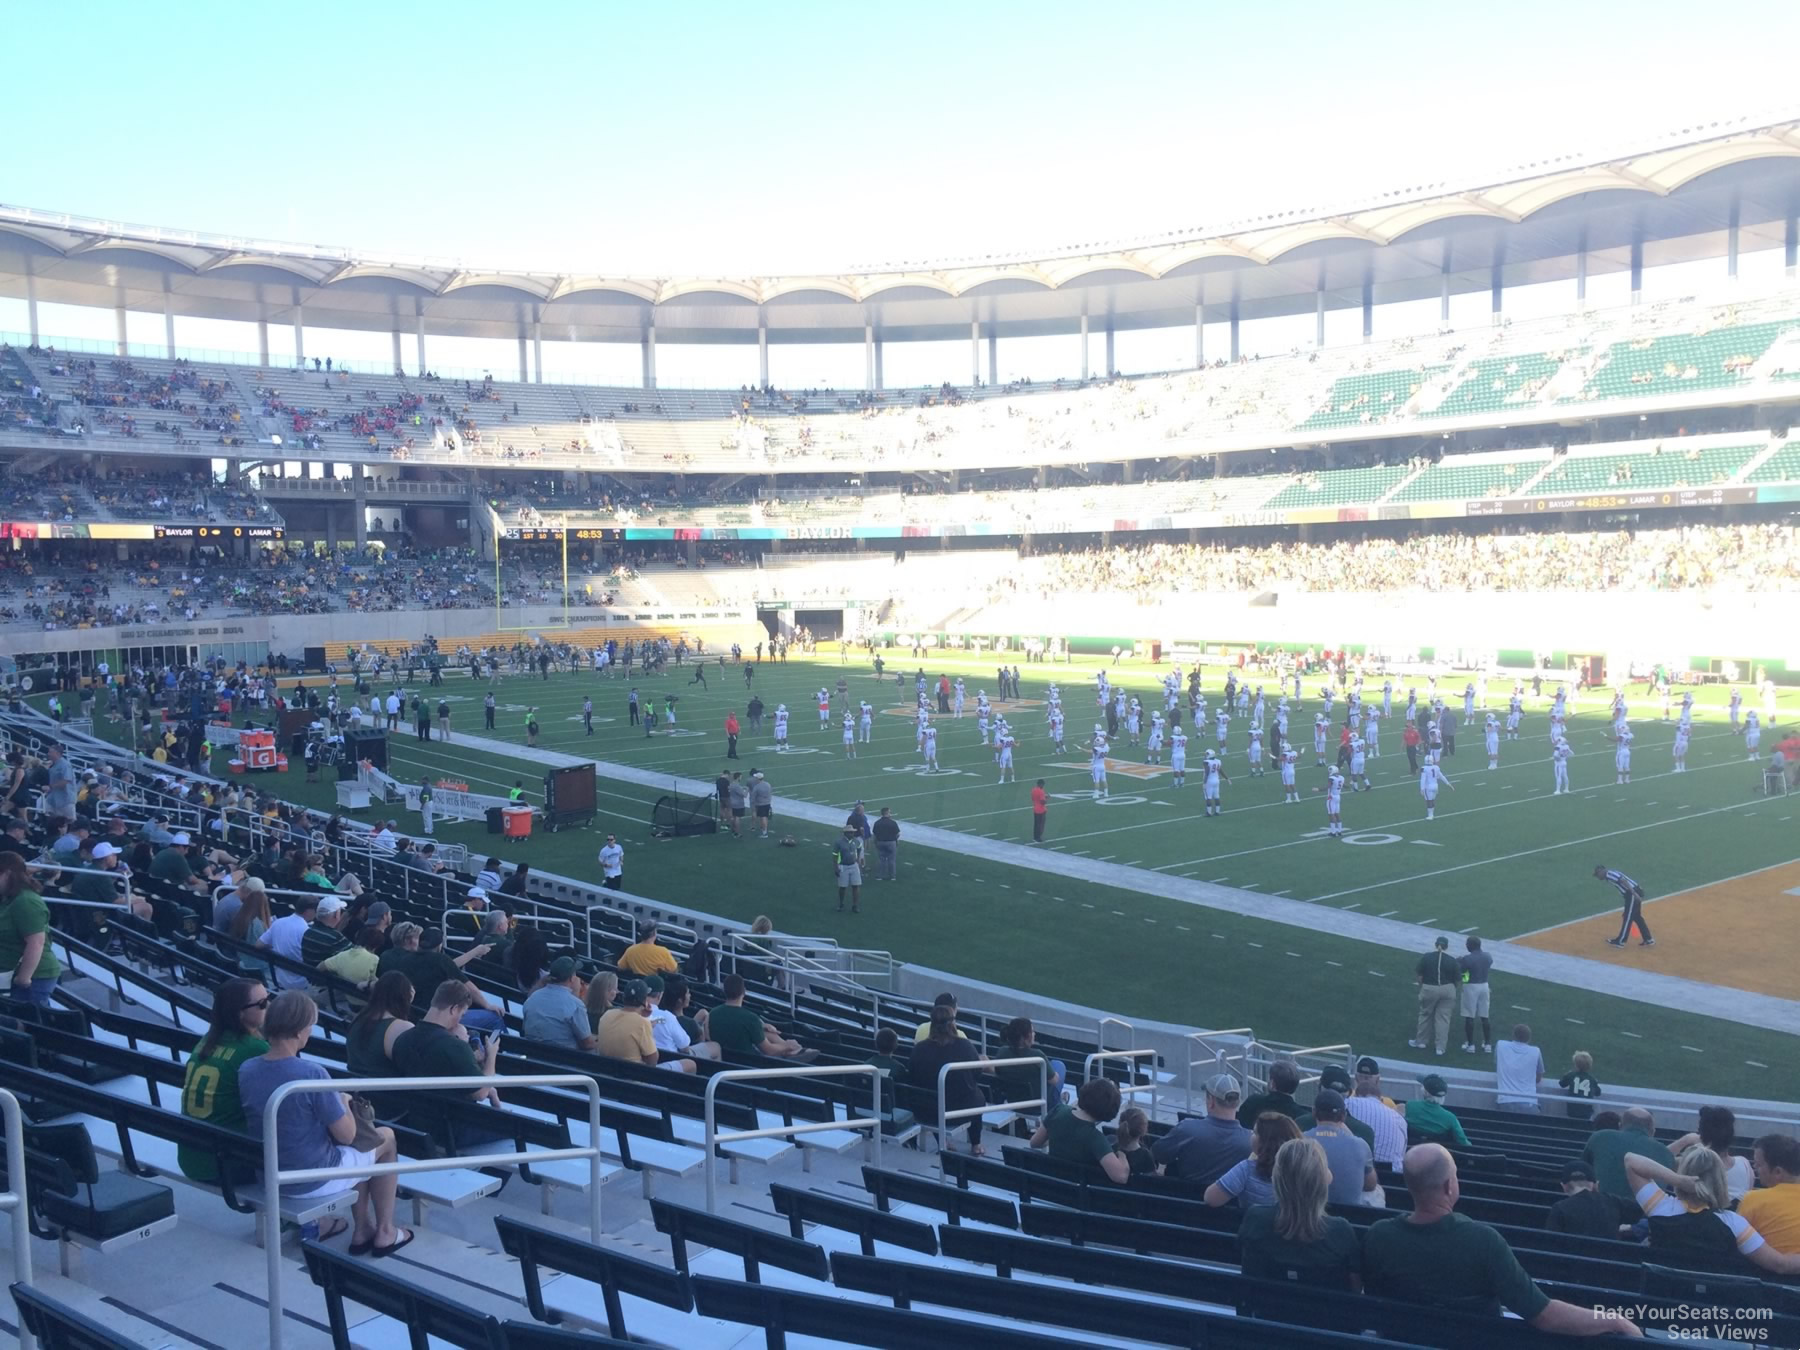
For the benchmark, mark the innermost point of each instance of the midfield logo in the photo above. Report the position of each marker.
(1123, 767)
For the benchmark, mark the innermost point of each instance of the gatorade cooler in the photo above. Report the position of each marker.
(516, 822)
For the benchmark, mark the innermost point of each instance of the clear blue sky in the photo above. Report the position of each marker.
(727, 139)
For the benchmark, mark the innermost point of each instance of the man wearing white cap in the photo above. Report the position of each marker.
(321, 941)
(171, 863)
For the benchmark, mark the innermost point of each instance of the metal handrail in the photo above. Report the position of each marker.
(945, 1117)
(480, 915)
(14, 1199)
(1100, 1033)
(1217, 1055)
(871, 1123)
(1129, 1089)
(274, 1177)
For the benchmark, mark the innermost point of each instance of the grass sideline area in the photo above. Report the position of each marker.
(1502, 858)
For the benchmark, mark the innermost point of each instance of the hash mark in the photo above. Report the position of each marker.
(1379, 974)
(1182, 928)
(1256, 945)
(1280, 892)
(1388, 912)
(1339, 964)
(1634, 1035)
(1696, 1049)
(1293, 953)
(1755, 1065)
(1119, 912)
(1520, 1007)
(1216, 880)
(1086, 905)
(1470, 929)
(1576, 1021)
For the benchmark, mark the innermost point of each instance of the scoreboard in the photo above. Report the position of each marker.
(554, 535)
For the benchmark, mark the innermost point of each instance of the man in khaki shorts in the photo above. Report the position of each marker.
(847, 858)
(1475, 966)
(1438, 976)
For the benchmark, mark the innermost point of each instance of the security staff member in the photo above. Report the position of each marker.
(1633, 912)
(517, 795)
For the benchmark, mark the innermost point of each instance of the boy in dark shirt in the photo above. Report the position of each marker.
(1585, 1209)
(1580, 1083)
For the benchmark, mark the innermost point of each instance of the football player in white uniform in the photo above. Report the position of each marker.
(1560, 755)
(1134, 720)
(1431, 775)
(928, 747)
(1319, 733)
(1214, 772)
(849, 735)
(1372, 732)
(1097, 764)
(1515, 713)
(1334, 802)
(981, 716)
(781, 727)
(921, 720)
(1056, 729)
(1289, 758)
(868, 722)
(824, 697)
(956, 697)
(1768, 697)
(1736, 703)
(1622, 756)
(1155, 742)
(1178, 756)
(1468, 716)
(1222, 726)
(1681, 747)
(1687, 710)
(1434, 742)
(1006, 757)
(1752, 732)
(1387, 698)
(1256, 750)
(1359, 766)
(1491, 738)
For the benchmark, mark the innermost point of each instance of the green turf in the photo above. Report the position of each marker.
(1502, 858)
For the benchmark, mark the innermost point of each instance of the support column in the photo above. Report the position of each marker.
(119, 325)
(397, 362)
(421, 343)
(359, 506)
(868, 356)
(1128, 472)
(262, 340)
(1368, 309)
(524, 372)
(299, 335)
(762, 355)
(878, 375)
(1319, 318)
(169, 324)
(1112, 363)
(1790, 256)
(31, 322)
(1199, 336)
(1494, 294)
(537, 351)
(994, 357)
(1236, 331)
(1084, 348)
(1444, 292)
(1637, 269)
(1731, 242)
(1581, 268)
(331, 529)
(649, 346)
(974, 351)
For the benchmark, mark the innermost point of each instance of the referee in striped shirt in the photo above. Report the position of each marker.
(1633, 913)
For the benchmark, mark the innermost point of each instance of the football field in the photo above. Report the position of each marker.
(1503, 859)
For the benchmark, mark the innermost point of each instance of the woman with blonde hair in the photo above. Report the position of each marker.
(601, 992)
(1698, 1217)
(1294, 1238)
(251, 922)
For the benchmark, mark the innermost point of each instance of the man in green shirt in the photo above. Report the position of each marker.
(1437, 1257)
(1606, 1150)
(742, 1029)
(321, 941)
(209, 1089)
(438, 1047)
(171, 862)
(1427, 1119)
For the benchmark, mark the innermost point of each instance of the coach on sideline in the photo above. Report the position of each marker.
(1438, 974)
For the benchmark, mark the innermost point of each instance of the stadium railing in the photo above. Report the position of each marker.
(13, 1198)
(946, 1118)
(872, 1122)
(274, 1177)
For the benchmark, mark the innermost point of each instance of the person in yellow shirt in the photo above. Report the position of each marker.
(1773, 1208)
(647, 957)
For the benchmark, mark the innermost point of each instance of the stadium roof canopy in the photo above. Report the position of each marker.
(1693, 196)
